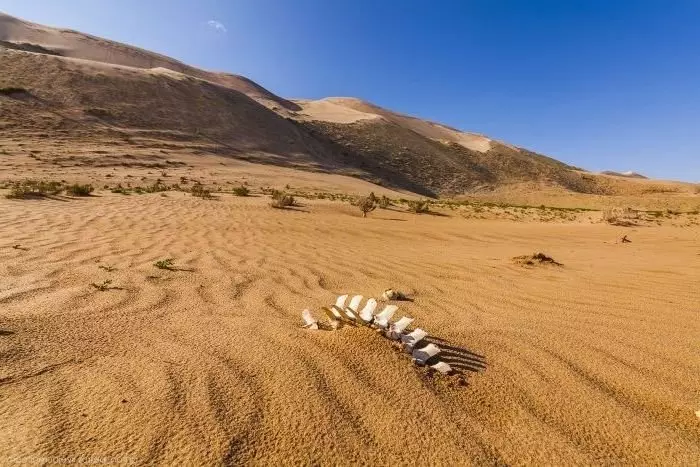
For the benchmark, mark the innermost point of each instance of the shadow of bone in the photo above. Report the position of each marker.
(459, 358)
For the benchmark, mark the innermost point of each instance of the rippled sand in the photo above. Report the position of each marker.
(593, 362)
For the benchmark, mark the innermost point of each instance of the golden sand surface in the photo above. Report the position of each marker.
(592, 362)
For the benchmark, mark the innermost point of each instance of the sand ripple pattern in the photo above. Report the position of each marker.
(595, 362)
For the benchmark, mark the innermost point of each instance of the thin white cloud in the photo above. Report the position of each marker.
(217, 25)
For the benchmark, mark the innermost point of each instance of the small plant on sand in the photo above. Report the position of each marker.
(419, 206)
(241, 191)
(167, 263)
(200, 191)
(79, 190)
(157, 187)
(366, 204)
(536, 259)
(33, 189)
(281, 200)
(120, 189)
(107, 268)
(103, 286)
(384, 202)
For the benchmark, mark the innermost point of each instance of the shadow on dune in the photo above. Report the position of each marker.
(460, 359)
(391, 219)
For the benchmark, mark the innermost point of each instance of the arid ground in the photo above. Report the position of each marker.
(107, 359)
(594, 361)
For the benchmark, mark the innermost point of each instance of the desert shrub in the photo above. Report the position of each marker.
(241, 191)
(367, 204)
(167, 263)
(120, 189)
(384, 202)
(79, 190)
(157, 187)
(281, 200)
(33, 189)
(419, 206)
(200, 191)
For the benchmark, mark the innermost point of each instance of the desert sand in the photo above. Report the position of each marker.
(105, 358)
(595, 361)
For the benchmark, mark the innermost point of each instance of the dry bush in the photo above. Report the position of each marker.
(419, 206)
(385, 202)
(157, 187)
(367, 204)
(79, 190)
(33, 189)
(536, 259)
(200, 191)
(241, 191)
(281, 200)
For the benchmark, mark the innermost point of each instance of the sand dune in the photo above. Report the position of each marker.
(587, 363)
(90, 86)
(428, 129)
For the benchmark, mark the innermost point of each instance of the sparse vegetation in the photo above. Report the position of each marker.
(167, 263)
(79, 190)
(157, 187)
(107, 268)
(120, 189)
(419, 206)
(281, 200)
(536, 259)
(33, 189)
(241, 191)
(200, 191)
(367, 204)
(385, 202)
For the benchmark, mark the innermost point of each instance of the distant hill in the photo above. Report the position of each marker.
(625, 174)
(88, 87)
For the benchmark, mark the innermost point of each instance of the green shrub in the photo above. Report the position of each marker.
(79, 190)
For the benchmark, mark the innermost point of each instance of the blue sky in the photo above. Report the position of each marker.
(599, 84)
